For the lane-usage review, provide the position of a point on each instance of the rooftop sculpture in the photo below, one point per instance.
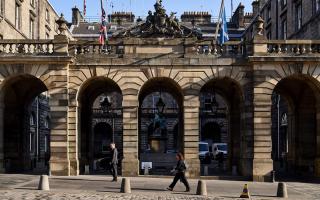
(159, 24)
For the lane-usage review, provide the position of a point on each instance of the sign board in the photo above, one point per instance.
(146, 165)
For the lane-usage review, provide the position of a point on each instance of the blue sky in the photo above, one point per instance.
(141, 7)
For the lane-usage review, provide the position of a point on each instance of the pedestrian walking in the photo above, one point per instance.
(114, 162)
(180, 170)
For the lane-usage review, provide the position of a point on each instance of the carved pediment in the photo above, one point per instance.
(159, 24)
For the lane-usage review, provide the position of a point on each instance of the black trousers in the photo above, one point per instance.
(180, 176)
(114, 170)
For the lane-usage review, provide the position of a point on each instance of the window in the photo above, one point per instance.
(47, 36)
(268, 17)
(1, 37)
(284, 29)
(298, 16)
(18, 16)
(47, 15)
(31, 28)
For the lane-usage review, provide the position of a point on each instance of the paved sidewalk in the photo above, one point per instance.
(16, 187)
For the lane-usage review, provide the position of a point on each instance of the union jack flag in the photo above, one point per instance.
(103, 27)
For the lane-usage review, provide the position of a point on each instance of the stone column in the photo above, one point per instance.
(59, 141)
(262, 162)
(130, 162)
(73, 140)
(191, 134)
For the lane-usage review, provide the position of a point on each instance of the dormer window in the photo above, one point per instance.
(91, 28)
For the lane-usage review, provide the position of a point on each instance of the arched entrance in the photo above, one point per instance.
(160, 125)
(295, 104)
(100, 113)
(26, 126)
(220, 127)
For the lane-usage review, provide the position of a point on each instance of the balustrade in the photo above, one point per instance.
(293, 47)
(26, 47)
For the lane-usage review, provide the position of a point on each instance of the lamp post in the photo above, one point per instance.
(105, 105)
(214, 104)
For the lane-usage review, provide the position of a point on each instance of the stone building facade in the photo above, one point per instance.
(32, 19)
(245, 74)
(289, 19)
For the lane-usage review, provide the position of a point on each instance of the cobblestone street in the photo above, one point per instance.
(14, 187)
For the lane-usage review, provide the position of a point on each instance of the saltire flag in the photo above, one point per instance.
(84, 7)
(103, 27)
(223, 32)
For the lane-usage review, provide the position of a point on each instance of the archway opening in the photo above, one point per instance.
(100, 110)
(295, 104)
(26, 125)
(160, 126)
(220, 127)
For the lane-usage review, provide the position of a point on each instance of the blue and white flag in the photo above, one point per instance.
(223, 32)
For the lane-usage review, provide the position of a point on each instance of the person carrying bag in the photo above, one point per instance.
(180, 170)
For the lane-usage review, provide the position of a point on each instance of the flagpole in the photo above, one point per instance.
(218, 24)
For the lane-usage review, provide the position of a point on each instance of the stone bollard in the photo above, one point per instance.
(44, 183)
(282, 190)
(202, 188)
(86, 170)
(206, 170)
(125, 186)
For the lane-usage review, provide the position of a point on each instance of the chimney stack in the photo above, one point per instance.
(76, 16)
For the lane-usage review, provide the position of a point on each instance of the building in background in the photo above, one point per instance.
(289, 19)
(32, 19)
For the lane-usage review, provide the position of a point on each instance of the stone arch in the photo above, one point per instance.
(88, 113)
(151, 92)
(232, 96)
(14, 104)
(302, 95)
(270, 75)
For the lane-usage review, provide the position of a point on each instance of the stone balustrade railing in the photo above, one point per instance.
(26, 47)
(230, 48)
(121, 47)
(293, 47)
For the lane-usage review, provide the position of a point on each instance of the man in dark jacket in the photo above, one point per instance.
(114, 162)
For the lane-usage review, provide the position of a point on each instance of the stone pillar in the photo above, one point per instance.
(130, 162)
(191, 134)
(59, 139)
(262, 162)
(73, 140)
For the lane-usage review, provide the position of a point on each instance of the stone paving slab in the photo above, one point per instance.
(16, 187)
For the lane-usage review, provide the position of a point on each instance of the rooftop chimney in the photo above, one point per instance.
(255, 7)
(76, 16)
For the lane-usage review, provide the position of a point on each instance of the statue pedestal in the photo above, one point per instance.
(158, 145)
